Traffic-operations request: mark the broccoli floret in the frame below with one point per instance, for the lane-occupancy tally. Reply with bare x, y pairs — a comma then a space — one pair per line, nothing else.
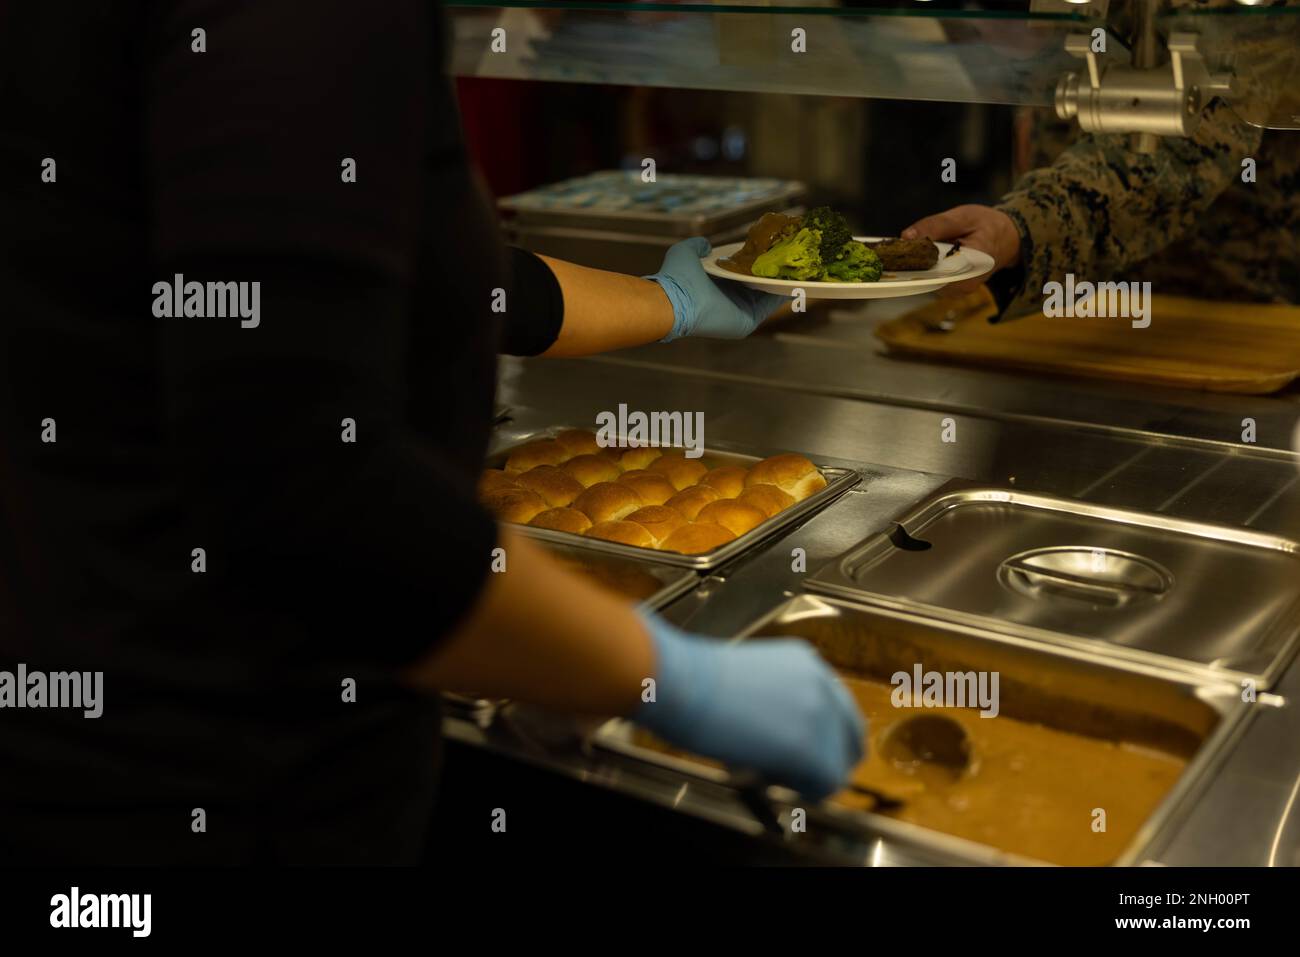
834, 230
793, 258
856, 263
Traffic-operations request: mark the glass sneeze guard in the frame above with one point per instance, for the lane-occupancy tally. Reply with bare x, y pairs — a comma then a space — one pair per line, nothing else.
898, 49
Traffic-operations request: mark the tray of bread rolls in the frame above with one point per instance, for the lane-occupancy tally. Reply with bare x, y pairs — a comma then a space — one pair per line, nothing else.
654, 502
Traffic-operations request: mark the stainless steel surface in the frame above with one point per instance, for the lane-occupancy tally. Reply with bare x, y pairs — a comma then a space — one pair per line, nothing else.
838, 481
834, 352
825, 386
1089, 695
1128, 583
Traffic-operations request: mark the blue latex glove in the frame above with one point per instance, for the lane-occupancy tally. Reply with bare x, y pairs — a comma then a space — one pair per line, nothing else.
773, 706
704, 306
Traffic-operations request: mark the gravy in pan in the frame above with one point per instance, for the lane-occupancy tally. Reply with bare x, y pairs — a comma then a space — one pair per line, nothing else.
1030, 790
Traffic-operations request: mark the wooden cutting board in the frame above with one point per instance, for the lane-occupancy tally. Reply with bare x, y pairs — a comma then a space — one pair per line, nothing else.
1190, 343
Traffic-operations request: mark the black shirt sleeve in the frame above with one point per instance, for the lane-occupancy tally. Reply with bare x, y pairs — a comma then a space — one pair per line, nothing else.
376, 542
533, 324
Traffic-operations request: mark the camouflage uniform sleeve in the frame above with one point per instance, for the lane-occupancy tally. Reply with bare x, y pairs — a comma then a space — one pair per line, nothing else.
1101, 208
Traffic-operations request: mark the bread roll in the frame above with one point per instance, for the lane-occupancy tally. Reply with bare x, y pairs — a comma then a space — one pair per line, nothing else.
729, 480
768, 499
696, 538
590, 469
626, 533
514, 504
659, 520
493, 479
690, 501
736, 517
554, 485
792, 474
654, 489
678, 469
578, 442
607, 502
562, 520
541, 452
640, 458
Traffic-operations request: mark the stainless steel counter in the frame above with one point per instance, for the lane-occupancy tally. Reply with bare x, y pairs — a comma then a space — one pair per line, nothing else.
824, 388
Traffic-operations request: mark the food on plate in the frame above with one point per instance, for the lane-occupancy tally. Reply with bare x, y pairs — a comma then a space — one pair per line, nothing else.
562, 520
653, 487
905, 254
729, 480
689, 501
681, 471
791, 473
855, 263
590, 469
625, 533
762, 236
553, 484
607, 502
819, 247
833, 230
768, 499
514, 504
659, 520
737, 517
543, 452
695, 538
798, 257
639, 458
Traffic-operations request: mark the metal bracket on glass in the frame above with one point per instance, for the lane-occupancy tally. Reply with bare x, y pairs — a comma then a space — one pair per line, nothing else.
1164, 100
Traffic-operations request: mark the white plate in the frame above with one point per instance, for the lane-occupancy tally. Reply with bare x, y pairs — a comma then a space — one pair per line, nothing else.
965, 264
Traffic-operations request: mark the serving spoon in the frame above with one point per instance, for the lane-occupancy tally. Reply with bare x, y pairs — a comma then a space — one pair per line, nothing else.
929, 742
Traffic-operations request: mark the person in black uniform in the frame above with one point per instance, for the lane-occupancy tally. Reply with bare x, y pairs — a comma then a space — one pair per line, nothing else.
179, 510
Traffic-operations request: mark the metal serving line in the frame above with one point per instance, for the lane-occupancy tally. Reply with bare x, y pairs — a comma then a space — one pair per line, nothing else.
824, 387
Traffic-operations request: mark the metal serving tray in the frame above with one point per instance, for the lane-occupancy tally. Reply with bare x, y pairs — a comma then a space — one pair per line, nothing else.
675, 205
838, 481
1065, 688
1225, 601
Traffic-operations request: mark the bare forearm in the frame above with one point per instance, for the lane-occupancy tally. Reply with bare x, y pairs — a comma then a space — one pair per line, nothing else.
605, 310
542, 634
